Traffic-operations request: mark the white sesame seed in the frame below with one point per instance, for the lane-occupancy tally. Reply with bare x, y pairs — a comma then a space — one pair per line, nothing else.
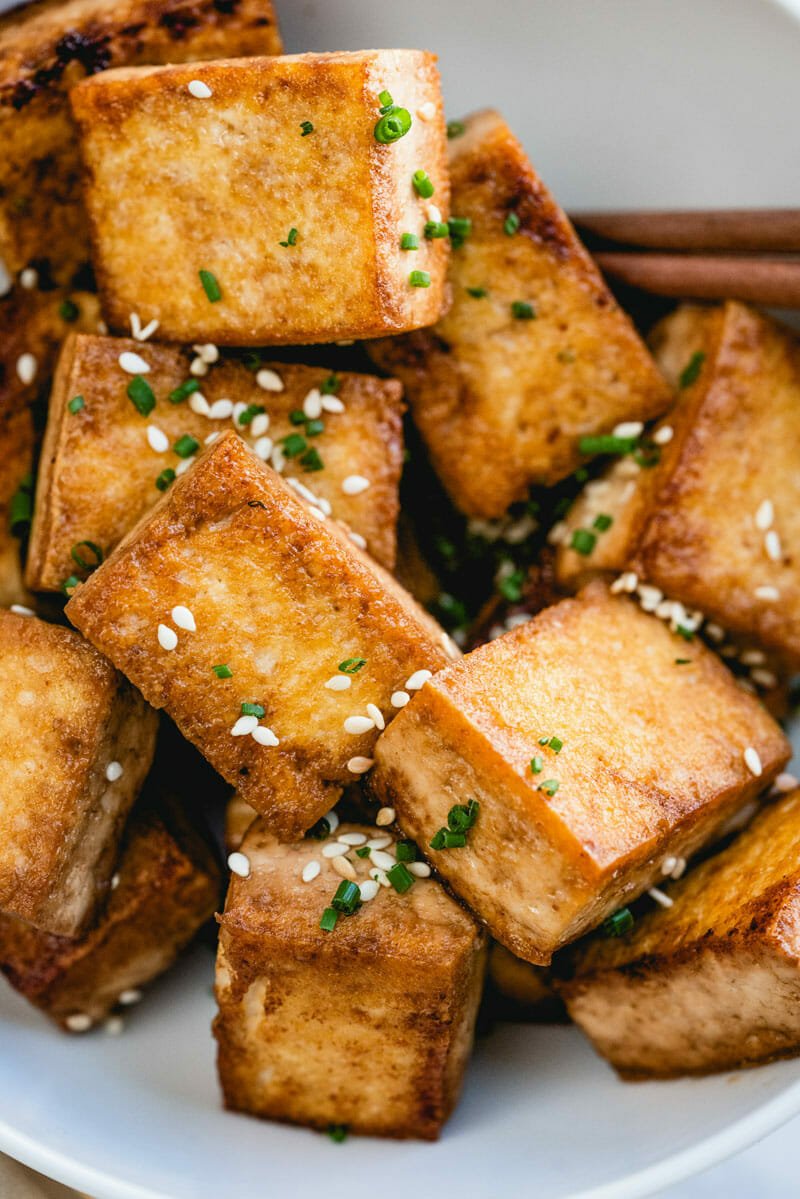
772, 544
763, 677
358, 725
184, 465
427, 111
79, 1022
114, 1026
147, 331
369, 889
114, 881
784, 783
332, 850
208, 352
668, 865
558, 533
26, 368
315, 511
6, 281
385, 816
199, 404
352, 838
451, 647
157, 439
198, 368
344, 868
767, 593
114, 771
765, 514
29, 278
357, 539
212, 437
136, 325
419, 869
129, 997
433, 213
649, 597
265, 736
664, 435
380, 842
220, 410
312, 404
332, 819
379, 876
167, 637
183, 618
310, 871
239, 864
21, 610
102, 328
332, 404
418, 679
269, 380
752, 657
339, 682
376, 716
200, 90
752, 761
660, 897
263, 448
715, 632
381, 859
354, 484
628, 428
277, 459
244, 726
359, 765
399, 699
133, 364
259, 424
680, 868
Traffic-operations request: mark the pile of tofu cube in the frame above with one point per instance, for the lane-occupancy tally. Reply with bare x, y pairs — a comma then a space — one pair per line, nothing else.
592, 801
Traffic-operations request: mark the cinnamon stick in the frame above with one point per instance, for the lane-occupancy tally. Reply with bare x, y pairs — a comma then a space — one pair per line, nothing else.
771, 281
746, 229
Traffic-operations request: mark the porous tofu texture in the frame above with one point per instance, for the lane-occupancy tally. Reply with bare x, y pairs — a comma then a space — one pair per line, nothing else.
47, 47
67, 716
502, 401
167, 887
282, 598
16, 465
303, 1012
653, 761
713, 982
101, 467
235, 184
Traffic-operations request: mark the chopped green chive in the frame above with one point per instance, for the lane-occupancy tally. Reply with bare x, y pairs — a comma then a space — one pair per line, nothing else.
328, 921
320, 831
166, 477
422, 184
683, 661
477, 293
222, 671
182, 392
511, 224
337, 1132
392, 125
93, 552
68, 310
544, 740
683, 631
455, 129
521, 310
400, 877
406, 851
462, 816
459, 228
445, 839
75, 404
186, 445
210, 286
314, 428
297, 416
252, 360
581, 474
363, 851
606, 444
291, 238
331, 385
140, 393
556, 744
21, 507
252, 710
419, 279
603, 522
70, 586
434, 229
347, 898
536, 765
647, 454
618, 924
583, 541
294, 444
549, 786
385, 100
409, 241
246, 417
352, 665
311, 460
566, 356
691, 372
511, 586
306, 128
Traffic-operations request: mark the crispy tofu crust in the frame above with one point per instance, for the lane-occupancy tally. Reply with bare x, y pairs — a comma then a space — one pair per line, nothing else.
151, 149
47, 47
280, 596
98, 469
66, 715
16, 465
713, 982
502, 402
168, 887
302, 1012
662, 744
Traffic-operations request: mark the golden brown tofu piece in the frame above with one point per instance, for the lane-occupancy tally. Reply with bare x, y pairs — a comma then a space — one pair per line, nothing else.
282, 599
303, 1011
34, 325
76, 741
47, 47
650, 758
16, 465
534, 353
102, 466
166, 887
520, 990
239, 815
712, 982
269, 154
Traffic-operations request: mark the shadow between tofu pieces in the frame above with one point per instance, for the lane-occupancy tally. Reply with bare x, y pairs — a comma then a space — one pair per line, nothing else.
76, 741
301, 1009
232, 569
713, 982
167, 885
115, 441
593, 756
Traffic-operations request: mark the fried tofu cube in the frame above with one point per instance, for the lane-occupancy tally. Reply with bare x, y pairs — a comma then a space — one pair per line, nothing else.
712, 982
311, 637
16, 480
34, 325
534, 353
47, 47
303, 1011
216, 194
76, 741
166, 887
520, 991
106, 460
592, 754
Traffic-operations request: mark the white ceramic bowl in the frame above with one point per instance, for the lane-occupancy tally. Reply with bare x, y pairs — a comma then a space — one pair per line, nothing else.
633, 102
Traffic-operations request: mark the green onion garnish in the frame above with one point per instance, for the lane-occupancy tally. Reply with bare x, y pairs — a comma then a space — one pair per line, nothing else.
331, 385
21, 507
618, 924
363, 851
683, 661
549, 786
311, 460
291, 238
70, 586
691, 372
419, 279
521, 310
297, 416
252, 710
222, 671
210, 286
347, 898
400, 877
385, 100
455, 129
511, 224
95, 555
434, 229
406, 851
477, 293
181, 393
307, 128
352, 665
68, 310
294, 444
409, 241
511, 586
314, 428
603, 522
140, 393
462, 816
392, 125
460, 228
606, 444
246, 417
422, 184
445, 839
687, 634
583, 541
186, 445
537, 765
556, 744
75, 404
166, 477
328, 921
337, 1132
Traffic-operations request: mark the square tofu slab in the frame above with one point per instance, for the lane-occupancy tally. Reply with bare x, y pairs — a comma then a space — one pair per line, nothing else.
303, 1012
167, 885
107, 458
593, 755
47, 47
76, 741
16, 480
257, 201
534, 353
277, 647
712, 982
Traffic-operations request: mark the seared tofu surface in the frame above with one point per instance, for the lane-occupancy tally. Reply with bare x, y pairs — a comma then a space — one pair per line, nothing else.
47, 47
167, 885
534, 352
250, 166
713, 982
76, 741
303, 1011
651, 755
107, 457
233, 570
